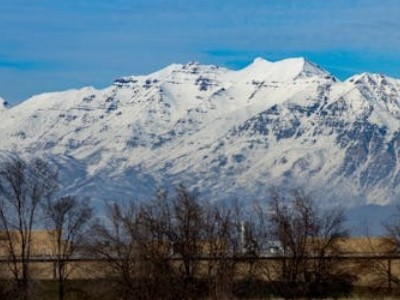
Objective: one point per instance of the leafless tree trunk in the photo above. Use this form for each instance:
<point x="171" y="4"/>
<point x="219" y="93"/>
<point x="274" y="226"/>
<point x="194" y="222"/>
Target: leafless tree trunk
<point x="386" y="278"/>
<point x="187" y="233"/>
<point x="24" y="186"/>
<point x="231" y="247"/>
<point x="219" y="250"/>
<point x="68" y="219"/>
<point x="308" y="237"/>
<point x="115" y="241"/>
<point x="172" y="241"/>
<point x="157" y="258"/>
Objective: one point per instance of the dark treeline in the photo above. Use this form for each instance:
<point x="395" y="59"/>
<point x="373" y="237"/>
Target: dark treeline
<point x="28" y="202"/>
<point x="177" y="247"/>
<point x="173" y="246"/>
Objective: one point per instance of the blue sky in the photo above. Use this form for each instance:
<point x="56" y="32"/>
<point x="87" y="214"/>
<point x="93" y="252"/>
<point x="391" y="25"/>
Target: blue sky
<point x="49" y="45"/>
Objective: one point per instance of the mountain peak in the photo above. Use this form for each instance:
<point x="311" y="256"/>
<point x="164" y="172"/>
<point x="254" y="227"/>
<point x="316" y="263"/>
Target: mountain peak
<point x="175" y="72"/>
<point x="260" y="61"/>
<point x="259" y="65"/>
<point x="301" y="68"/>
<point x="285" y="70"/>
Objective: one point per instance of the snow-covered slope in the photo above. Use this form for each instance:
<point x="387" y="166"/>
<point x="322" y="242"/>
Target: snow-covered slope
<point x="227" y="133"/>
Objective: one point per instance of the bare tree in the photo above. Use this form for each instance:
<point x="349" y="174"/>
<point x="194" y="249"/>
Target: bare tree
<point x="68" y="219"/>
<point x="157" y="257"/>
<point x="309" y="240"/>
<point x="114" y="240"/>
<point x="220" y="250"/>
<point x="386" y="277"/>
<point x="172" y="242"/>
<point x="231" y="248"/>
<point x="24" y="186"/>
<point x="187" y="233"/>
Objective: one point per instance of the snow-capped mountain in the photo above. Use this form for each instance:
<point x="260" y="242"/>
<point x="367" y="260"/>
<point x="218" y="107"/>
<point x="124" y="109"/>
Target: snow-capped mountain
<point x="227" y="133"/>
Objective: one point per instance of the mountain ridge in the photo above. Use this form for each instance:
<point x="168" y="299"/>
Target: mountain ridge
<point x="226" y="133"/>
